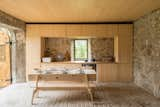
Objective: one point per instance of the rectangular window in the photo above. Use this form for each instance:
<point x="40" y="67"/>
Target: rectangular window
<point x="80" y="49"/>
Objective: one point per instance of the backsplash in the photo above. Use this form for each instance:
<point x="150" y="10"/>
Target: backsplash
<point x="101" y="48"/>
<point x="58" y="46"/>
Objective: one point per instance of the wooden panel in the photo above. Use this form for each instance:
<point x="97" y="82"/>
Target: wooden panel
<point x="125" y="33"/>
<point x="42" y="47"/>
<point x="125" y="73"/>
<point x="73" y="87"/>
<point x="114" y="73"/>
<point x="74" y="31"/>
<point x="99" y="72"/>
<point x="116" y="47"/>
<point x="47" y="30"/>
<point x="33" y="48"/>
<point x="54" y="30"/>
<point x="5" y="74"/>
<point x="107" y="72"/>
<point x="98" y="30"/>
<point x="63" y="77"/>
<point x="60" y="30"/>
<point x="106" y="30"/>
<point x="89" y="30"/>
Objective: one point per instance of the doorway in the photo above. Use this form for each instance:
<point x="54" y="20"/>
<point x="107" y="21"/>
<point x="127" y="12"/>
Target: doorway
<point x="5" y="60"/>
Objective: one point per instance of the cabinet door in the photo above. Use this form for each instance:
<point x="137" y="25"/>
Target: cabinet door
<point x="52" y="30"/>
<point x="89" y="30"/>
<point x="125" y="43"/>
<point x="107" y="72"/>
<point x="5" y="74"/>
<point x="125" y="72"/>
<point x="59" y="30"/>
<point x="74" y="30"/>
<point x="106" y="30"/>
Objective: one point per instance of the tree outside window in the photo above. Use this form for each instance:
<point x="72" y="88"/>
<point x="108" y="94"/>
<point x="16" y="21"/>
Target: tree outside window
<point x="80" y="49"/>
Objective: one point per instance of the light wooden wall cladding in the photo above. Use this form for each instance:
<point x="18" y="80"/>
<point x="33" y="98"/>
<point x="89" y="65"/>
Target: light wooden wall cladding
<point x="34" y="32"/>
<point x="125" y="33"/>
<point x="123" y="43"/>
<point x="33" y="48"/>
<point x="73" y="30"/>
<point x="107" y="72"/>
<point x="122" y="70"/>
<point x="122" y="34"/>
<point x="114" y="72"/>
<point x="5" y="74"/>
<point x="91" y="30"/>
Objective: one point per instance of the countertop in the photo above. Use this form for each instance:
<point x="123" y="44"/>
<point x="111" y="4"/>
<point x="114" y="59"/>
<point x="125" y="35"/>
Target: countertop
<point x="79" y="62"/>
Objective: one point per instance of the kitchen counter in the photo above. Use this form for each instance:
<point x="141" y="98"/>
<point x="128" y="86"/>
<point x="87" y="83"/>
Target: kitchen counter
<point x="79" y="62"/>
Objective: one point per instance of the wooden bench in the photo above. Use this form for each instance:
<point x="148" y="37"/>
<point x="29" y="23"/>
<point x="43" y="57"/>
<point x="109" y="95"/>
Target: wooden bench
<point x="78" y="78"/>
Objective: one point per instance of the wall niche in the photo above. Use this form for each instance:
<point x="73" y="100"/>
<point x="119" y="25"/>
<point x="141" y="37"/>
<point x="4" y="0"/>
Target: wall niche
<point x="100" y="49"/>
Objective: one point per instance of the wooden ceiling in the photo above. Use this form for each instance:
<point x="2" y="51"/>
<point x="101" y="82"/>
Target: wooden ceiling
<point x="78" y="10"/>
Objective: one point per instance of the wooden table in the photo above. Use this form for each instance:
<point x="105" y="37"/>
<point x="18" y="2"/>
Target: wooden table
<point x="78" y="78"/>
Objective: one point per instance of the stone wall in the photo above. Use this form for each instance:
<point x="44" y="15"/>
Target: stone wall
<point x="101" y="48"/>
<point x="58" y="46"/>
<point x="20" y="56"/>
<point x="147" y="52"/>
<point x="17" y="34"/>
<point x="11" y="21"/>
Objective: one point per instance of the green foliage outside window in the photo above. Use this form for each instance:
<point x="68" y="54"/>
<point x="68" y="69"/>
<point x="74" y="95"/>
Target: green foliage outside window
<point x="80" y="49"/>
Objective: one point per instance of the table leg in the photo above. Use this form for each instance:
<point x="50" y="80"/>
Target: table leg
<point x="35" y="90"/>
<point x="88" y="87"/>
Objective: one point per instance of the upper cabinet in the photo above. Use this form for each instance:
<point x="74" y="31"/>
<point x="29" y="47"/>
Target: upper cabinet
<point x="58" y="30"/>
<point x="73" y="30"/>
<point x="91" y="30"/>
<point x="47" y="30"/>
<point x="106" y="30"/>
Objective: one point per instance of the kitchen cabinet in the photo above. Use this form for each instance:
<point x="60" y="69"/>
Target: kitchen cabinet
<point x="91" y="30"/>
<point x="123" y="43"/>
<point x="122" y="33"/>
<point x="106" y="72"/>
<point x="114" y="72"/>
<point x="124" y="73"/>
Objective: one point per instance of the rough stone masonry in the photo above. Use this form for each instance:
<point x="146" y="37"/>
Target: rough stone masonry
<point x="17" y="29"/>
<point x="147" y="52"/>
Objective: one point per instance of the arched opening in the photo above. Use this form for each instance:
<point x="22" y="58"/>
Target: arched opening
<point x="5" y="58"/>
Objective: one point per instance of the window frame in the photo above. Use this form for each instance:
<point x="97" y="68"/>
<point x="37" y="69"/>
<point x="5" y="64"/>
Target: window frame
<point x="79" y="59"/>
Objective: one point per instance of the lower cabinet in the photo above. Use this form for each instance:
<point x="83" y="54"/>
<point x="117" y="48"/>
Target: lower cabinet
<point x="124" y="73"/>
<point x="114" y="72"/>
<point x="106" y="72"/>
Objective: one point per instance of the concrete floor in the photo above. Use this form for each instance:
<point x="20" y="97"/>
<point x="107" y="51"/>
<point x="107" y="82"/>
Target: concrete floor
<point x="107" y="95"/>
